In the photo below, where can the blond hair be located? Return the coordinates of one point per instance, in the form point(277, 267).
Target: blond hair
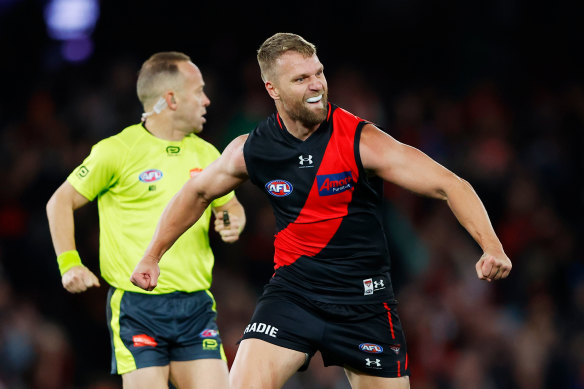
point(158, 73)
point(278, 44)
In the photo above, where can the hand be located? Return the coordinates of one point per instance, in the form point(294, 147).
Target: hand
point(146, 273)
point(229, 232)
point(78, 279)
point(493, 266)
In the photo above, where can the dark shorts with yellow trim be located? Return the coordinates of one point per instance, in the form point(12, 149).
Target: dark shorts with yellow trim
point(366, 338)
point(152, 330)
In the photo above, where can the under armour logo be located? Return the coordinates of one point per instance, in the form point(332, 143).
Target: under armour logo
point(303, 159)
point(375, 362)
point(378, 284)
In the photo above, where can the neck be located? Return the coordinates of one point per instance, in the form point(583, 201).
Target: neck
point(161, 127)
point(296, 127)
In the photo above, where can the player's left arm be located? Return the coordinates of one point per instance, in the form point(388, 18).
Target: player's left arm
point(229, 220)
point(411, 169)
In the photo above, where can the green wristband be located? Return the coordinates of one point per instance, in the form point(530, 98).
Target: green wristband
point(67, 260)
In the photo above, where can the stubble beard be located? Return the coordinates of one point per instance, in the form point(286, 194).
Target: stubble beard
point(298, 111)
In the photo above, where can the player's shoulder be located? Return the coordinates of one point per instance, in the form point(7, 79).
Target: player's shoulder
point(200, 145)
point(124, 140)
point(342, 115)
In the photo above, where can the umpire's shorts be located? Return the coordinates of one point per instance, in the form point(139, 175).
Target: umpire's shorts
point(152, 330)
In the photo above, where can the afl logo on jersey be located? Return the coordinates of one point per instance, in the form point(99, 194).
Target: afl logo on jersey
point(150, 175)
point(279, 188)
point(371, 348)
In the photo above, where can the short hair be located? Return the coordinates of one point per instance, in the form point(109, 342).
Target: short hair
point(278, 44)
point(159, 72)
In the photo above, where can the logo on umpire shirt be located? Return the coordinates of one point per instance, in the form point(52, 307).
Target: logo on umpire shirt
point(279, 188)
point(150, 175)
point(194, 171)
point(173, 150)
point(82, 172)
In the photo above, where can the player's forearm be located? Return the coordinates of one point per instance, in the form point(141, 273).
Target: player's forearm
point(472, 215)
point(183, 210)
point(61, 223)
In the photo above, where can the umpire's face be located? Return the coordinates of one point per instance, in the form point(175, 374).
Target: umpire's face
point(191, 100)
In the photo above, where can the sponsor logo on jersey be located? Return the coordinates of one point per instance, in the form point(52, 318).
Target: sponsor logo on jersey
point(210, 344)
point(144, 340)
point(82, 171)
point(330, 184)
point(262, 328)
point(279, 188)
point(370, 285)
point(209, 333)
point(373, 363)
point(150, 175)
point(305, 161)
point(172, 150)
point(371, 348)
point(194, 171)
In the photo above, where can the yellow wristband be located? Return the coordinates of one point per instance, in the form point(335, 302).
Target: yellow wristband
point(67, 260)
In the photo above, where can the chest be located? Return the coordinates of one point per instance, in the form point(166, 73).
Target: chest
point(321, 172)
point(160, 171)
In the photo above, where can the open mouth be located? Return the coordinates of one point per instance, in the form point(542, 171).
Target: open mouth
point(314, 99)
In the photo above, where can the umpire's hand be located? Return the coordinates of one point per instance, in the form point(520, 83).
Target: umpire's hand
point(228, 226)
point(146, 273)
point(78, 279)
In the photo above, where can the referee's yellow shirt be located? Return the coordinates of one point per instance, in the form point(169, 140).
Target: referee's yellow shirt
point(134, 175)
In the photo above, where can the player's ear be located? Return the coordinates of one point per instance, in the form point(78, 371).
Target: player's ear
point(272, 90)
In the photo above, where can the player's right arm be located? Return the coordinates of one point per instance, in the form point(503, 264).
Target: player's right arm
point(60, 209)
point(186, 207)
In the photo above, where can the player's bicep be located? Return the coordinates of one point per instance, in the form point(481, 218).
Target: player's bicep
point(402, 164)
point(223, 175)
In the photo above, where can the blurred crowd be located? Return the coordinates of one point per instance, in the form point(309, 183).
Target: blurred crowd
point(520, 151)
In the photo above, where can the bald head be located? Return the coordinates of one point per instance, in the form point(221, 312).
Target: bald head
point(158, 74)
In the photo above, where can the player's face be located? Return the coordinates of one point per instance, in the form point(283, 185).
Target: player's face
point(302, 87)
point(191, 98)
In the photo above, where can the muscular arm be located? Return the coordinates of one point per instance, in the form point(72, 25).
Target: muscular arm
point(187, 206)
point(411, 169)
point(60, 209)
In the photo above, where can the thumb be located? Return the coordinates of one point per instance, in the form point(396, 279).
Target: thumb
point(94, 280)
point(478, 268)
point(89, 279)
point(153, 277)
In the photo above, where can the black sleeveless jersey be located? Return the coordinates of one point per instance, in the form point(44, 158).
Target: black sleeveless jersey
point(330, 245)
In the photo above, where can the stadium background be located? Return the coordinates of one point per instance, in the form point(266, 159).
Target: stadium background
point(494, 90)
